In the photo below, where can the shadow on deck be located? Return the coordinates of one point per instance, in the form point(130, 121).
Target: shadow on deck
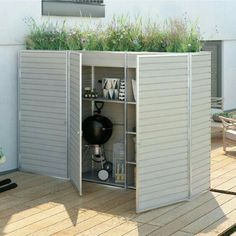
point(43, 206)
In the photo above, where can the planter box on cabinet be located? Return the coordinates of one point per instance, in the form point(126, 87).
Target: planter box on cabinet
point(171, 116)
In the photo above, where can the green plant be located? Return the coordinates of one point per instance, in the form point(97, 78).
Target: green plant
point(46, 36)
point(74, 40)
point(154, 39)
point(122, 34)
point(1, 153)
point(182, 36)
point(224, 114)
point(216, 118)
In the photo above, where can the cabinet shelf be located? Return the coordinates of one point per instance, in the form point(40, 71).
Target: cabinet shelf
point(131, 187)
point(131, 103)
point(92, 176)
point(131, 132)
point(107, 100)
point(103, 100)
point(131, 162)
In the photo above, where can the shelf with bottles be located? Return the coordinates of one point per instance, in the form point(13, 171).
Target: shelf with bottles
point(119, 163)
point(100, 99)
point(92, 95)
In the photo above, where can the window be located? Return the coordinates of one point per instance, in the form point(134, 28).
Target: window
point(215, 48)
point(77, 8)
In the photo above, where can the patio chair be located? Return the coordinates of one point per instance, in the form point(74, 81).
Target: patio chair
point(229, 132)
point(216, 107)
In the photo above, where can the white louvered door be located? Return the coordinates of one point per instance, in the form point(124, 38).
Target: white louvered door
point(162, 131)
point(200, 119)
point(75, 145)
point(43, 112)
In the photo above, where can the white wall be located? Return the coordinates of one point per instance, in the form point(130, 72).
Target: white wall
point(12, 30)
point(229, 74)
point(13, 14)
point(8, 104)
point(216, 19)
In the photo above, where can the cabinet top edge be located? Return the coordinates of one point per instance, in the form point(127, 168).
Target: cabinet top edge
point(118, 52)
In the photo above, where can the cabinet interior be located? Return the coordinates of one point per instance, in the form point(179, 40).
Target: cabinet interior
point(123, 116)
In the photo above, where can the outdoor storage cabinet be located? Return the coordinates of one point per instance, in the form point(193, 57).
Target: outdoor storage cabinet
point(171, 116)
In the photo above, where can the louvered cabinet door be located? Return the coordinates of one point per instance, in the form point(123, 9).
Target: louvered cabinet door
point(43, 112)
point(200, 119)
point(162, 131)
point(75, 145)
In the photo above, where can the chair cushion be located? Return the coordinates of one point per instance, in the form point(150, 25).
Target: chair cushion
point(231, 134)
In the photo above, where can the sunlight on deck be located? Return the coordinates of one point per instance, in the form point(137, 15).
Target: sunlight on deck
point(46, 206)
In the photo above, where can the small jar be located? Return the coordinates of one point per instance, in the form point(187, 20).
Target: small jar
point(94, 93)
point(87, 92)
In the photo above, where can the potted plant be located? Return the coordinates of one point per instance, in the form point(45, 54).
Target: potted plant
point(216, 118)
point(2, 157)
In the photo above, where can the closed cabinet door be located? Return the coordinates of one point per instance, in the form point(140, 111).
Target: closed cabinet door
point(162, 131)
point(75, 145)
point(43, 112)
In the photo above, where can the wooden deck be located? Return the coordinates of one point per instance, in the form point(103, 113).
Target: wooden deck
point(46, 206)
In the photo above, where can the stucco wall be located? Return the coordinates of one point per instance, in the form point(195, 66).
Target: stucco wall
point(216, 18)
point(13, 14)
point(8, 104)
point(229, 74)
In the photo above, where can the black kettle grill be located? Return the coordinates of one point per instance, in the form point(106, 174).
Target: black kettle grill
point(97, 130)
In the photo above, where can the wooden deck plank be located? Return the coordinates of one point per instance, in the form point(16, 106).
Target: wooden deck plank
point(181, 233)
point(96, 220)
point(192, 216)
point(224, 170)
point(211, 217)
point(26, 211)
point(222, 164)
point(122, 229)
point(150, 215)
point(38, 202)
point(109, 200)
point(24, 196)
point(69, 203)
point(27, 182)
point(63, 225)
point(222, 179)
point(189, 206)
point(142, 230)
point(183, 209)
point(224, 223)
point(43, 205)
point(103, 227)
point(228, 185)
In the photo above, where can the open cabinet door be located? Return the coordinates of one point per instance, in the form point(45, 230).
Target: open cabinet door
point(75, 111)
point(162, 131)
